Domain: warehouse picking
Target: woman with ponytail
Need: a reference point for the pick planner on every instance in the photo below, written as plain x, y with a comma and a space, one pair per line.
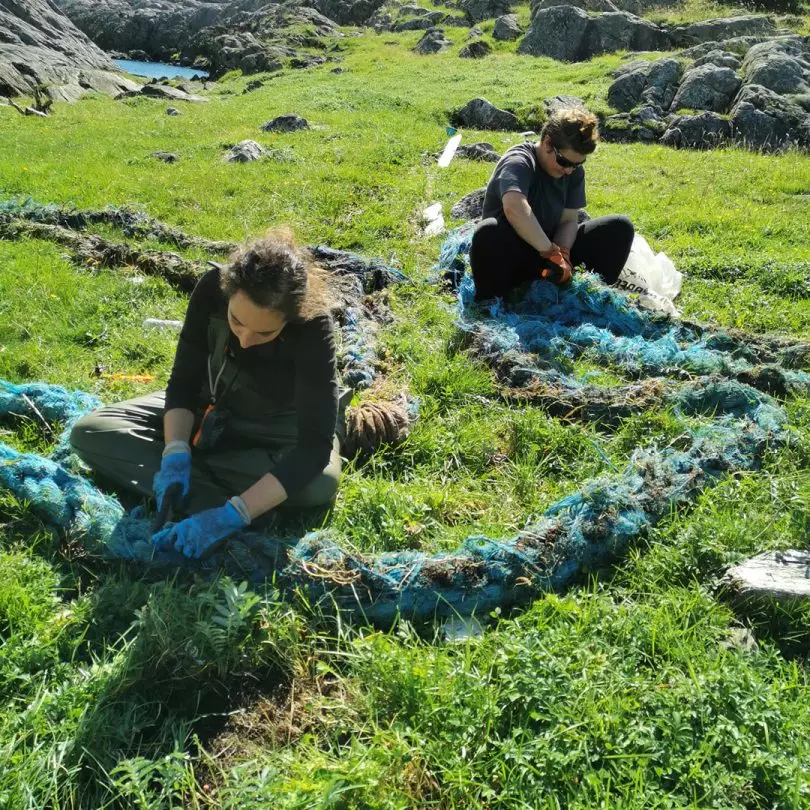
248, 420
530, 227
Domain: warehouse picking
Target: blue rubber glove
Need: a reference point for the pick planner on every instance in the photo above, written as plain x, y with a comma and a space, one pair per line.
171, 485
201, 533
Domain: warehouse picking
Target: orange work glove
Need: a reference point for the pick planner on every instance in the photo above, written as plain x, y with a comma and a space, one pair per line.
556, 264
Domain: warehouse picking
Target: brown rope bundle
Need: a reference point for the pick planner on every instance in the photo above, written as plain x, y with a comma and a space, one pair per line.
373, 424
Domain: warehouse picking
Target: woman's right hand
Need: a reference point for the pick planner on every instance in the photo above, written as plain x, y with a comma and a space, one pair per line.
172, 482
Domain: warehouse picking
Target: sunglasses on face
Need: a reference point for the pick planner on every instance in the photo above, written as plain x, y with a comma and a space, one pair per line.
564, 162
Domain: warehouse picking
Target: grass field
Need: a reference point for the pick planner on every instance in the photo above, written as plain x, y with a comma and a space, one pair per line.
118, 689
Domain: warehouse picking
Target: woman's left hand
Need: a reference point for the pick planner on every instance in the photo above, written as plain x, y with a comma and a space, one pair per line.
202, 533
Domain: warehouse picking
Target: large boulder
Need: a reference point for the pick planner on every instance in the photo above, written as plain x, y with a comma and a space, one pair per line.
480, 114
570, 34
433, 41
483, 151
703, 131
507, 28
557, 32
653, 83
477, 49
707, 87
621, 31
470, 206
720, 58
245, 152
779, 65
586, 5
479, 10
41, 46
723, 28
348, 12
764, 120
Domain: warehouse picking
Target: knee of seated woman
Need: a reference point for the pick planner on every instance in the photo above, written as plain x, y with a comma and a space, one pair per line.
318, 492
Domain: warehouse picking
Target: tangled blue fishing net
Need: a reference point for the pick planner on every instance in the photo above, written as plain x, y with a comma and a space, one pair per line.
530, 345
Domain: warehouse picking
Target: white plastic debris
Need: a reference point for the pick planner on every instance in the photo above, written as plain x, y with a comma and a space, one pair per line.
652, 276
434, 220
461, 628
449, 151
157, 323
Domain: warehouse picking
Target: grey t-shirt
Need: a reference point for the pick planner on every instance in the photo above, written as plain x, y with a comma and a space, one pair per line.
519, 170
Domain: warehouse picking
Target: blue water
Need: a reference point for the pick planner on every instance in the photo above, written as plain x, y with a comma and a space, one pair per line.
158, 70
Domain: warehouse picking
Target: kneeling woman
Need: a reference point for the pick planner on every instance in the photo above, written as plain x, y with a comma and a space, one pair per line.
249, 416
530, 226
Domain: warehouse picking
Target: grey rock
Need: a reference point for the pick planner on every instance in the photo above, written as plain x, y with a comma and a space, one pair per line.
245, 152
166, 157
629, 82
253, 85
720, 58
415, 24
723, 28
764, 120
562, 102
479, 10
474, 33
482, 151
165, 92
703, 131
476, 50
39, 45
707, 88
621, 30
409, 9
480, 114
338, 70
455, 21
307, 60
433, 41
778, 65
173, 111
507, 28
585, 5
652, 82
285, 123
557, 32
470, 206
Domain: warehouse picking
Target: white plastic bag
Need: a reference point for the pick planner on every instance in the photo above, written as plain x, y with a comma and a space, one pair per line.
651, 276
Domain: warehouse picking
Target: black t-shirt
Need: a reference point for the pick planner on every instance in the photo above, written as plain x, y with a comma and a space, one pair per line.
519, 170
296, 370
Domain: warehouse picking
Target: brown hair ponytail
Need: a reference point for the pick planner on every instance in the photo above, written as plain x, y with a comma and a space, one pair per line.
572, 128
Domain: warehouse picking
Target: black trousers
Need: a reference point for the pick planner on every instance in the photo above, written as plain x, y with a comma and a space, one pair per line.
500, 260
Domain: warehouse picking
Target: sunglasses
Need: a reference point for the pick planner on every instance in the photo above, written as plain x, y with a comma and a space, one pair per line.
564, 162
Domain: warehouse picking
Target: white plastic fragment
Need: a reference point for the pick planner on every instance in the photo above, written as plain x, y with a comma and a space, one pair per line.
433, 218
157, 323
449, 151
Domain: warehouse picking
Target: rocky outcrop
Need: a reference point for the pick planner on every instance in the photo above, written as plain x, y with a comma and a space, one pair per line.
433, 41
217, 35
507, 28
480, 114
40, 46
573, 32
483, 151
159, 28
479, 10
761, 101
477, 49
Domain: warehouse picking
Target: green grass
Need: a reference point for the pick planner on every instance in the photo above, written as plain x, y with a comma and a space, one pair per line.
124, 690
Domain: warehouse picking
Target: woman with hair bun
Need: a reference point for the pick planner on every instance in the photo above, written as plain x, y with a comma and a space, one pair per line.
530, 226
248, 419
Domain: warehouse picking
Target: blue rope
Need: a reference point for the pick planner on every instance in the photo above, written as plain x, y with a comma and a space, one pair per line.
582, 531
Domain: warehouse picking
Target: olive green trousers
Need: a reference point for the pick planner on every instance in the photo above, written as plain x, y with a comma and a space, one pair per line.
124, 443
